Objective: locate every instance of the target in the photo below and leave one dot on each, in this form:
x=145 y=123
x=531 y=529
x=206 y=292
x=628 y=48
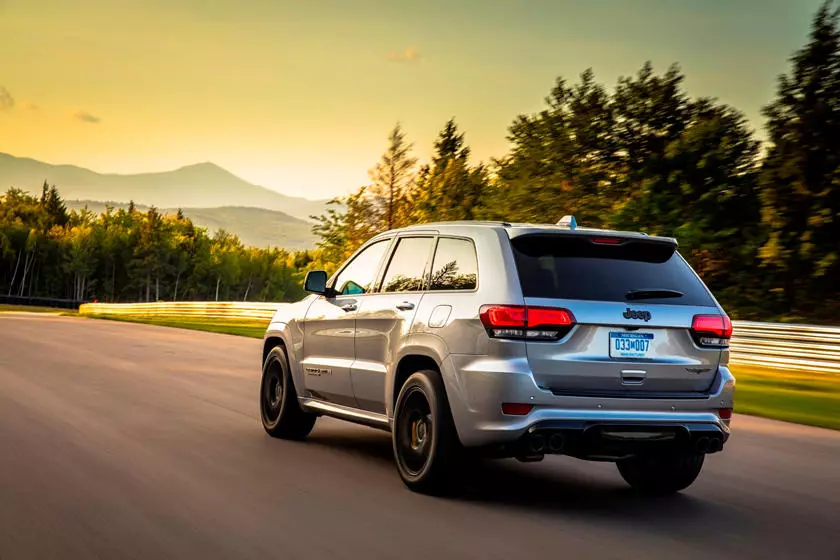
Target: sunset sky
x=299 y=95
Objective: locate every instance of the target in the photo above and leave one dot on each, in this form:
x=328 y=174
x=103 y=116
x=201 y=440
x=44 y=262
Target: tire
x=280 y=411
x=426 y=446
x=661 y=474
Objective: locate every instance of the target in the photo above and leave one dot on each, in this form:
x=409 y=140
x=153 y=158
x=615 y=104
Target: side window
x=405 y=271
x=358 y=276
x=455 y=266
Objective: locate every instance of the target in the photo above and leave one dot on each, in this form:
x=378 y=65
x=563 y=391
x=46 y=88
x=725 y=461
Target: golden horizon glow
x=299 y=97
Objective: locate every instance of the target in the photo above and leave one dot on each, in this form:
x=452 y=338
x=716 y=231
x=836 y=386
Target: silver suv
x=509 y=340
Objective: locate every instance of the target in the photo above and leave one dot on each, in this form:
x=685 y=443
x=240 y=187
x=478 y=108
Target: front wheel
x=282 y=416
x=661 y=474
x=426 y=446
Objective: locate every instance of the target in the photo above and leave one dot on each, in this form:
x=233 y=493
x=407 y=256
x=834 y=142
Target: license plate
x=630 y=345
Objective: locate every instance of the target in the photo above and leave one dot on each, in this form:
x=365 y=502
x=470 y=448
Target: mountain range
x=210 y=195
x=256 y=227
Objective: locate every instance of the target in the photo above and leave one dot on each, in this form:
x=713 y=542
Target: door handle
x=405 y=306
x=349 y=307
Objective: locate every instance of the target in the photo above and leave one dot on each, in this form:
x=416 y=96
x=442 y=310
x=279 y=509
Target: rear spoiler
x=594 y=234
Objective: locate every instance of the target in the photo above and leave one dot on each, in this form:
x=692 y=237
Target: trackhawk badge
x=633 y=314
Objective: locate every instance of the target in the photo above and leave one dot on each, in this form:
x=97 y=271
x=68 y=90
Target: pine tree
x=448 y=189
x=800 y=181
x=562 y=160
x=391 y=178
x=55 y=207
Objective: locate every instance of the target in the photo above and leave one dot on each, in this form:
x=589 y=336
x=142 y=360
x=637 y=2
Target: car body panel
x=328 y=349
x=581 y=360
x=383 y=323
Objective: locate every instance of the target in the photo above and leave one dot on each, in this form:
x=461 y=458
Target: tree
x=448 y=189
x=80 y=258
x=56 y=210
x=684 y=167
x=646 y=157
x=391 y=178
x=562 y=160
x=800 y=179
x=341 y=233
x=226 y=265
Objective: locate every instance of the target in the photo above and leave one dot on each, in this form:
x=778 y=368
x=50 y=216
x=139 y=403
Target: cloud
x=7 y=102
x=29 y=106
x=410 y=54
x=86 y=117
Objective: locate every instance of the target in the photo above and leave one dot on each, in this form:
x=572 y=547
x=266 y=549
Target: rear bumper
x=612 y=441
x=477 y=386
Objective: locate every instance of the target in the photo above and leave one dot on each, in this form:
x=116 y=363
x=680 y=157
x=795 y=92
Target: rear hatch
x=634 y=301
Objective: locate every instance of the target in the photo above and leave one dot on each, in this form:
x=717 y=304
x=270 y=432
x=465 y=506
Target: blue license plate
x=631 y=345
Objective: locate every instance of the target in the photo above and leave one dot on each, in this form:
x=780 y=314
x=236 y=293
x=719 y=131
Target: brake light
x=524 y=322
x=503 y=316
x=549 y=317
x=607 y=240
x=711 y=330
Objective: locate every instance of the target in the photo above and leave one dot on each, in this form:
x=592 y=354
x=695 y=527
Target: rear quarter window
x=573 y=267
x=455 y=266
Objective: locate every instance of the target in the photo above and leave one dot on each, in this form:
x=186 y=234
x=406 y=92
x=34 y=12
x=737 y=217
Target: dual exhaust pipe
x=708 y=445
x=539 y=444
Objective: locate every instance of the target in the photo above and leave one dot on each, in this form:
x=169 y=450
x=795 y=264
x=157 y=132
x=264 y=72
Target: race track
x=120 y=440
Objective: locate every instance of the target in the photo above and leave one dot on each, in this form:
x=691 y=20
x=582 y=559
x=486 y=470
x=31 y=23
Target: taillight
x=711 y=330
x=526 y=323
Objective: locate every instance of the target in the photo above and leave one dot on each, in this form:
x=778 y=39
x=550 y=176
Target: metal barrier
x=257 y=311
x=774 y=345
x=779 y=345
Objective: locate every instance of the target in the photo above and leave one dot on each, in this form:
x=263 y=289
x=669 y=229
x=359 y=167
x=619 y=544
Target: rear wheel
x=426 y=446
x=280 y=411
x=661 y=474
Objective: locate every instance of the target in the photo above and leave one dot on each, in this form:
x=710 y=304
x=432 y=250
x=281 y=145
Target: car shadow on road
x=549 y=487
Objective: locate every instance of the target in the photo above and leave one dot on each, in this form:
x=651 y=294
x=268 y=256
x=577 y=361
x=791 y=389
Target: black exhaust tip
x=537 y=443
x=715 y=445
x=556 y=443
x=702 y=445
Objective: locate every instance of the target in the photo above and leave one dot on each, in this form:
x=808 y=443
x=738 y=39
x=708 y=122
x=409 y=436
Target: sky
x=300 y=95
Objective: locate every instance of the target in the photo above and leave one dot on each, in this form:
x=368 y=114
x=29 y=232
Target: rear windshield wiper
x=653 y=294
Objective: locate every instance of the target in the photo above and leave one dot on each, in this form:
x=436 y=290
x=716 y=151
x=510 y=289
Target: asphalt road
x=131 y=441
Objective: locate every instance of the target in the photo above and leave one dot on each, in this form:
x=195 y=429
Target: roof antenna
x=568 y=221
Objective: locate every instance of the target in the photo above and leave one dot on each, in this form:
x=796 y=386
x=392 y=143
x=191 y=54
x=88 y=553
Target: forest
x=758 y=216
x=129 y=255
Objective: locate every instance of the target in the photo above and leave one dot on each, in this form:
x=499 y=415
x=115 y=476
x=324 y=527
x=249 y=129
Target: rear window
x=573 y=267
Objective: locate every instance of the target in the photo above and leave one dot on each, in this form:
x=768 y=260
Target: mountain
x=254 y=226
x=204 y=185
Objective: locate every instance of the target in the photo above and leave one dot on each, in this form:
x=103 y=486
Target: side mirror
x=316 y=282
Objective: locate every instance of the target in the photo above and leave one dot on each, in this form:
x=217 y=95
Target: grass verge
x=801 y=397
x=793 y=396
x=240 y=327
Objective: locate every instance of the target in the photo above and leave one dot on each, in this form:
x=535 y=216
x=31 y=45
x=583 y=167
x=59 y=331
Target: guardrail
x=199 y=309
x=774 y=345
x=780 y=345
